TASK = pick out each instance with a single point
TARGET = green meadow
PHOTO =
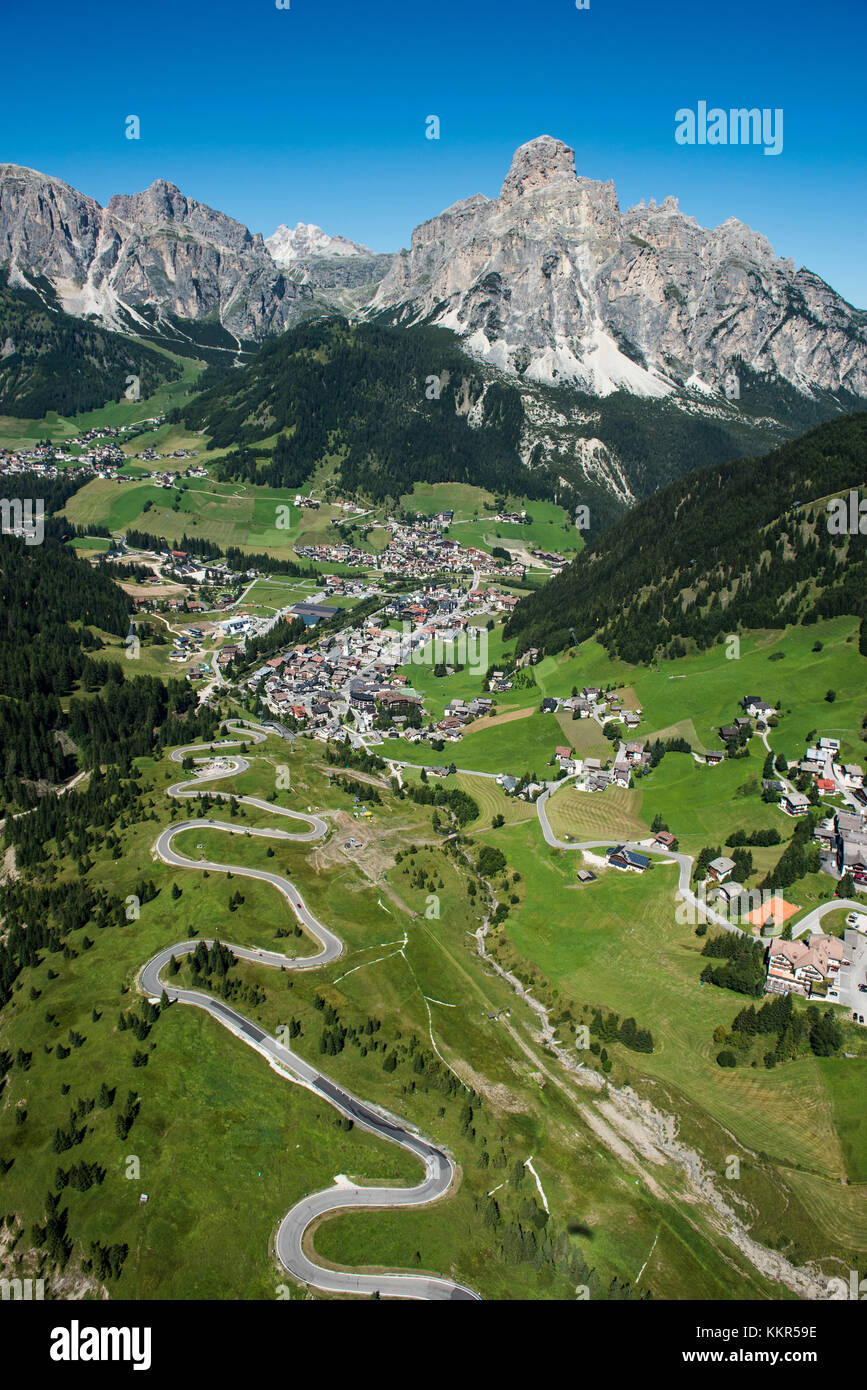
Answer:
(616, 944)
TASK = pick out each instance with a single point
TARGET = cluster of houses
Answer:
(458, 713)
(97, 460)
(491, 600)
(820, 759)
(843, 834)
(754, 708)
(594, 703)
(98, 453)
(843, 837)
(550, 558)
(336, 553)
(422, 549)
(318, 686)
(517, 787)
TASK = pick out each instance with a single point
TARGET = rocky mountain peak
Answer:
(289, 244)
(552, 282)
(538, 164)
(163, 204)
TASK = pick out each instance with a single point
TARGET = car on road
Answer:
(863, 989)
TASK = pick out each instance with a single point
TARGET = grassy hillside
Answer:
(225, 1146)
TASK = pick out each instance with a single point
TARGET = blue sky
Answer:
(317, 113)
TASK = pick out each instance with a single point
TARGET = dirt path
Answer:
(490, 721)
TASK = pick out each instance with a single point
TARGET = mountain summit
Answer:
(552, 282)
(290, 244)
(147, 254)
(538, 164)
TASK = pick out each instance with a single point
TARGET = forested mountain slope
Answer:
(49, 600)
(396, 406)
(50, 360)
(744, 545)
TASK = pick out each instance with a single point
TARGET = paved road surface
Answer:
(439, 1168)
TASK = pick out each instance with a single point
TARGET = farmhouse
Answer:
(719, 869)
(756, 708)
(597, 781)
(730, 892)
(627, 860)
(852, 857)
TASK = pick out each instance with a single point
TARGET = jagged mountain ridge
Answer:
(617, 328)
(160, 253)
(305, 239)
(552, 282)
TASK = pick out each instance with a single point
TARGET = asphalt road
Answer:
(439, 1168)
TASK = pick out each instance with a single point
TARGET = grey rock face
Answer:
(154, 248)
(551, 280)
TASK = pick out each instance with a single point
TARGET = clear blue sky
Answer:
(317, 113)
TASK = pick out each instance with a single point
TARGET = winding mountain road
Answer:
(439, 1167)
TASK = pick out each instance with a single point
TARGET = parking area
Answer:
(853, 973)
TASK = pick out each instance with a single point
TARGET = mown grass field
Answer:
(511, 745)
(615, 813)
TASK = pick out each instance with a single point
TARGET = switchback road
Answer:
(438, 1165)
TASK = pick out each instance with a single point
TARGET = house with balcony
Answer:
(804, 967)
